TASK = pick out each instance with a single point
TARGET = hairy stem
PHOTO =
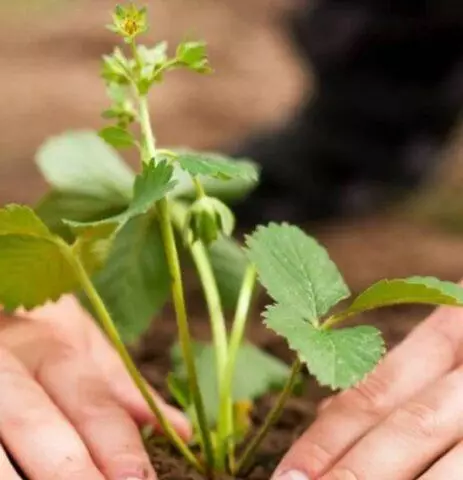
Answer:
(113, 335)
(274, 414)
(170, 248)
(225, 423)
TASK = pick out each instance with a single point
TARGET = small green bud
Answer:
(129, 21)
(207, 218)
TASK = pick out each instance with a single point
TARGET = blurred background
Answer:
(49, 82)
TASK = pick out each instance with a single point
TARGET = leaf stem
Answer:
(200, 192)
(170, 248)
(214, 304)
(113, 335)
(274, 414)
(146, 128)
(225, 421)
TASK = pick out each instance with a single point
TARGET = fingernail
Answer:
(291, 475)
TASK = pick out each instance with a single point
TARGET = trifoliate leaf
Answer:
(256, 373)
(424, 290)
(296, 270)
(135, 281)
(117, 137)
(215, 165)
(34, 263)
(82, 163)
(229, 264)
(337, 358)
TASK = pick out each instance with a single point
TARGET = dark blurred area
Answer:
(350, 106)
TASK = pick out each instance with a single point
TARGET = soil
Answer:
(300, 411)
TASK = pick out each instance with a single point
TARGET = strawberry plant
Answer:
(121, 241)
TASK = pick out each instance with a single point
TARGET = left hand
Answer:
(405, 422)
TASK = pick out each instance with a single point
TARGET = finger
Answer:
(427, 354)
(128, 395)
(450, 467)
(67, 313)
(108, 430)
(35, 432)
(7, 471)
(411, 438)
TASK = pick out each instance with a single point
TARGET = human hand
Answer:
(404, 422)
(68, 409)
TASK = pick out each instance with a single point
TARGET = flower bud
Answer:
(207, 218)
(129, 21)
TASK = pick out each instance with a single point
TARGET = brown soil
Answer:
(300, 410)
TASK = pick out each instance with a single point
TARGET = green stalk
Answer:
(113, 335)
(173, 262)
(274, 414)
(225, 422)
(214, 303)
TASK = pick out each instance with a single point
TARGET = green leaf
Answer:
(422, 290)
(228, 191)
(337, 358)
(56, 206)
(82, 163)
(256, 373)
(229, 264)
(150, 186)
(296, 270)
(117, 137)
(135, 281)
(34, 263)
(216, 166)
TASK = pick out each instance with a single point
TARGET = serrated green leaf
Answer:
(421, 290)
(215, 165)
(135, 281)
(191, 53)
(256, 373)
(228, 191)
(150, 186)
(82, 163)
(117, 137)
(56, 206)
(296, 270)
(229, 264)
(337, 358)
(34, 263)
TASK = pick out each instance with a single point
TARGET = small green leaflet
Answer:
(296, 270)
(35, 264)
(256, 373)
(215, 165)
(75, 207)
(117, 137)
(150, 186)
(337, 358)
(134, 282)
(229, 191)
(82, 163)
(424, 290)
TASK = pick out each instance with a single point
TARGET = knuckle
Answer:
(417, 420)
(344, 474)
(372, 397)
(76, 464)
(310, 455)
